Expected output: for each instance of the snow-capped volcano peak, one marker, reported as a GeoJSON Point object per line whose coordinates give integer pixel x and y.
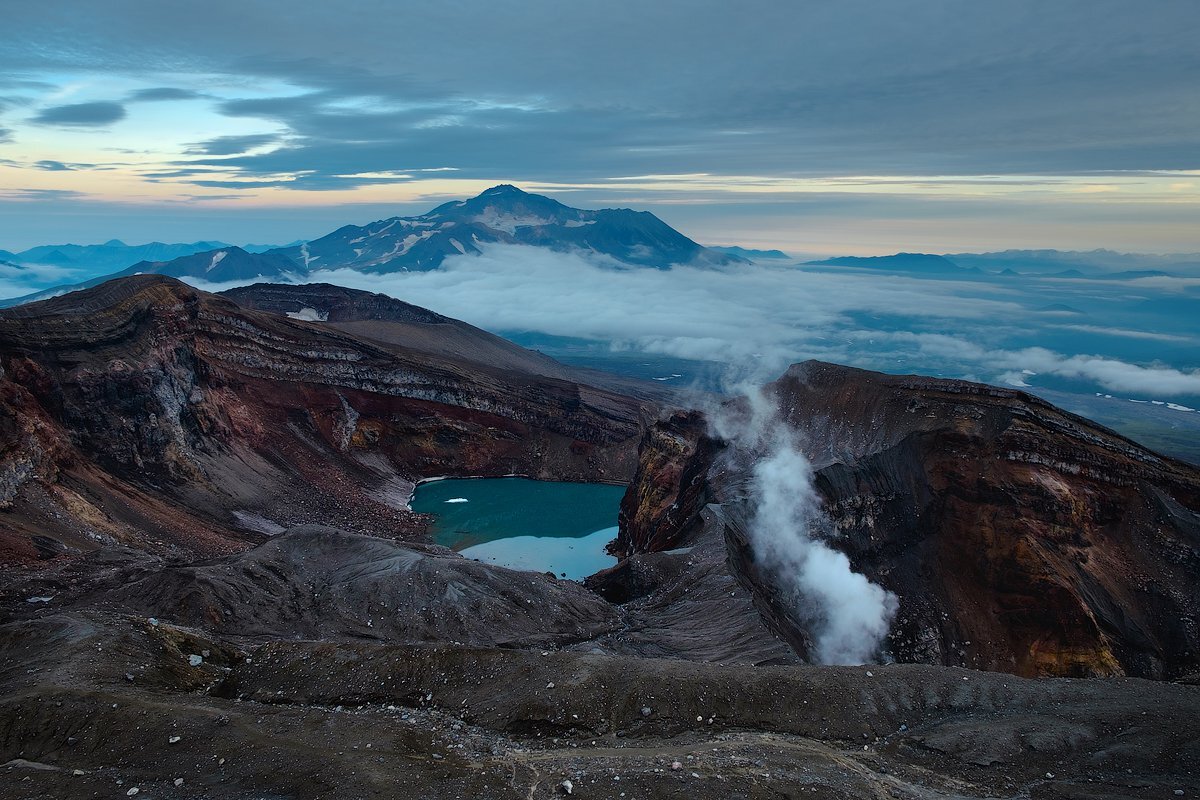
{"type": "Point", "coordinates": [504, 214]}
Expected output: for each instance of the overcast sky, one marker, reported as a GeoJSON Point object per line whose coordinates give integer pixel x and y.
{"type": "Point", "coordinates": [856, 126]}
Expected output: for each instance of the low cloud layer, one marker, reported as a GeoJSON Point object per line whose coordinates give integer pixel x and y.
{"type": "Point", "coordinates": [763, 317]}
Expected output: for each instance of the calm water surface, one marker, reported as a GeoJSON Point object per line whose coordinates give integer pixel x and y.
{"type": "Point", "coordinates": [544, 526]}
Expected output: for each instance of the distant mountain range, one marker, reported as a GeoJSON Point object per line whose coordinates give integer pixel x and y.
{"type": "Point", "coordinates": [507, 215]}
{"type": "Point", "coordinates": [1096, 264]}
{"type": "Point", "coordinates": [751, 255]}
{"type": "Point", "coordinates": [113, 254]}
{"type": "Point", "coordinates": [501, 215]}
{"type": "Point", "coordinates": [900, 262]}
{"type": "Point", "coordinates": [1089, 261]}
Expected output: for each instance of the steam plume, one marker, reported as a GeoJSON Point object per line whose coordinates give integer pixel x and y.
{"type": "Point", "coordinates": [846, 615]}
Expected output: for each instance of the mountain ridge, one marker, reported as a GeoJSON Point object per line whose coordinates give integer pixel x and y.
{"type": "Point", "coordinates": [503, 214]}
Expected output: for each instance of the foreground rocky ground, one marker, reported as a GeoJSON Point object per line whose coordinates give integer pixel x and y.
{"type": "Point", "coordinates": [98, 703]}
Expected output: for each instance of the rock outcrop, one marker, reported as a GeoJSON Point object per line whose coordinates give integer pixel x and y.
{"type": "Point", "coordinates": [146, 413]}
{"type": "Point", "coordinates": [1017, 537]}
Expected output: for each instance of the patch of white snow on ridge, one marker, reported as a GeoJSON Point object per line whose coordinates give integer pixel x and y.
{"type": "Point", "coordinates": [507, 222]}
{"type": "Point", "coordinates": [577, 223]}
{"type": "Point", "coordinates": [1177, 407]}
{"type": "Point", "coordinates": [307, 314]}
{"type": "Point", "coordinates": [217, 258]}
{"type": "Point", "coordinates": [458, 246]}
{"type": "Point", "coordinates": [404, 245]}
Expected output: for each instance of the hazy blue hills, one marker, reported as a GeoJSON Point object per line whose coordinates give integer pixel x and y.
{"type": "Point", "coordinates": [112, 255]}
{"type": "Point", "coordinates": [219, 266]}
{"type": "Point", "coordinates": [1093, 264]}
{"type": "Point", "coordinates": [924, 263]}
{"type": "Point", "coordinates": [751, 254]}
{"type": "Point", "coordinates": [1089, 262]}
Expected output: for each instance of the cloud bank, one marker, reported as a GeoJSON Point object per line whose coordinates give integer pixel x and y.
{"type": "Point", "coordinates": [759, 319]}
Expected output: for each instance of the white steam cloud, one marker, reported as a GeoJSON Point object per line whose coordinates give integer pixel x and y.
{"type": "Point", "coordinates": [845, 614]}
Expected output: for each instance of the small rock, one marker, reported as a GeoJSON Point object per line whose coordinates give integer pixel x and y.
{"type": "Point", "coordinates": [174, 740]}
{"type": "Point", "coordinates": [695, 774]}
{"type": "Point", "coordinates": [646, 711]}
{"type": "Point", "coordinates": [132, 792]}
{"type": "Point", "coordinates": [78, 772]}
{"type": "Point", "coordinates": [436, 756]}
{"type": "Point", "coordinates": [179, 781]}
{"type": "Point", "coordinates": [676, 766]}
{"type": "Point", "coordinates": [550, 685]}
{"type": "Point", "coordinates": [1179, 792]}
{"type": "Point", "coordinates": [567, 787]}
{"type": "Point", "coordinates": [129, 677]}
{"type": "Point", "coordinates": [195, 660]}
{"type": "Point", "coordinates": [1049, 774]}
{"type": "Point", "coordinates": [153, 622]}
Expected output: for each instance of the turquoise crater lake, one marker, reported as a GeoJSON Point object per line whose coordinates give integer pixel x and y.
{"type": "Point", "coordinates": [544, 526]}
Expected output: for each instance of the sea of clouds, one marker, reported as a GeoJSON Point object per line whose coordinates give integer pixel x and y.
{"type": "Point", "coordinates": [762, 317]}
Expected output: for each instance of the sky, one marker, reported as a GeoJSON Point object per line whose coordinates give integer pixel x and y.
{"type": "Point", "coordinates": [850, 127]}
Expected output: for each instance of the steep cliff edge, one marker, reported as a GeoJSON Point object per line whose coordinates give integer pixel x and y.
{"type": "Point", "coordinates": [1017, 537]}
{"type": "Point", "coordinates": [144, 413]}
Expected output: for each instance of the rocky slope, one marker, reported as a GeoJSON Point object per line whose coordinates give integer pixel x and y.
{"type": "Point", "coordinates": [1018, 537]}
{"type": "Point", "coordinates": [384, 319]}
{"type": "Point", "coordinates": [146, 413]}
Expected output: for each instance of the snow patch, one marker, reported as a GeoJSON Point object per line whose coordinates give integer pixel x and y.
{"type": "Point", "coordinates": [217, 258]}
{"type": "Point", "coordinates": [307, 314]}
{"type": "Point", "coordinates": [458, 500]}
{"type": "Point", "coordinates": [508, 222]}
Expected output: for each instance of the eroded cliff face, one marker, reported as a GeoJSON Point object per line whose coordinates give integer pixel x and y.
{"type": "Point", "coordinates": [1017, 537]}
{"type": "Point", "coordinates": [149, 414]}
